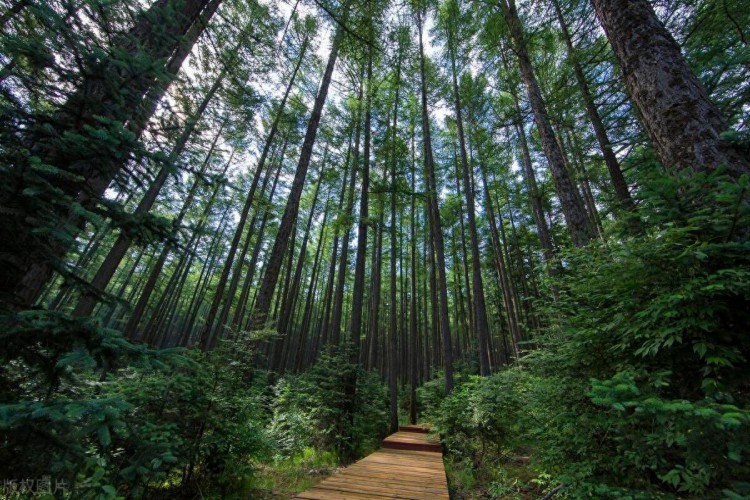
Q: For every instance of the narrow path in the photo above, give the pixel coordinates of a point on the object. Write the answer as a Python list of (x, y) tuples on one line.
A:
[(408, 466)]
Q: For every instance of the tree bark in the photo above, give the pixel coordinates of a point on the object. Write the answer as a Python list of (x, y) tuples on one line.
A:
[(682, 122)]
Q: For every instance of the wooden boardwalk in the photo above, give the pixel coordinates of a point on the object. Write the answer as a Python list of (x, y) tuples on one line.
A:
[(409, 466)]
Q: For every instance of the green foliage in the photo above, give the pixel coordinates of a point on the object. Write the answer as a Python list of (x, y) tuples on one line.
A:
[(110, 417), (640, 391), (334, 406)]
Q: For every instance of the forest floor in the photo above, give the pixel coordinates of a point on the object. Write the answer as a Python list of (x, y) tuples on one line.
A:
[(512, 480), (288, 477)]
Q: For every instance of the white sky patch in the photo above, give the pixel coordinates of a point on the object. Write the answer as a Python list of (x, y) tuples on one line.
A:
[(432, 49)]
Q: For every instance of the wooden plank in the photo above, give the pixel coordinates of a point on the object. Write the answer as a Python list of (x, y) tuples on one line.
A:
[(359, 491), (415, 441), (380, 488), (372, 482), (411, 471)]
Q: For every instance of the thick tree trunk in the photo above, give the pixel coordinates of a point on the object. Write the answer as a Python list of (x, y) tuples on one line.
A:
[(682, 122), (109, 90), (613, 166)]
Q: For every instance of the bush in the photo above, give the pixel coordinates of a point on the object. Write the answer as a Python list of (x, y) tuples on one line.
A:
[(641, 387), (333, 406), (111, 418)]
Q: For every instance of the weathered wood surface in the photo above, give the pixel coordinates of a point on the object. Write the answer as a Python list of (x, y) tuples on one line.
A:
[(409, 466)]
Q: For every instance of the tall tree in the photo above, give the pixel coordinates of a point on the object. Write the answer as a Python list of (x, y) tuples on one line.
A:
[(271, 276), (451, 15), (610, 160), (576, 219), (210, 335), (685, 127), (111, 89), (436, 229)]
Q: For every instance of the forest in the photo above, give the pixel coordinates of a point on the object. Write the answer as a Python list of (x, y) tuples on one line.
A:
[(242, 241)]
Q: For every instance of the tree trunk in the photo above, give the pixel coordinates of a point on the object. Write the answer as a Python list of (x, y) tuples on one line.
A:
[(682, 122), (338, 300), (238, 318), (117, 252), (208, 337), (287, 308), (570, 201), (393, 311), (358, 292), (413, 312), (143, 300), (109, 90), (271, 276), (480, 309), (435, 225), (613, 166)]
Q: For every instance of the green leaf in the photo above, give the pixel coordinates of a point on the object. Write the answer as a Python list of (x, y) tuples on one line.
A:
[(104, 437)]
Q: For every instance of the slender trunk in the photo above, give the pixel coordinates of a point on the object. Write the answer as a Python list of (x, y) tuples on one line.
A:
[(537, 206), (413, 327), (610, 160), (271, 276), (480, 309), (143, 299), (208, 337), (393, 327), (338, 300), (287, 308), (373, 318), (570, 201), (119, 249), (435, 225), (169, 294), (358, 292), (498, 252), (239, 314), (305, 324)]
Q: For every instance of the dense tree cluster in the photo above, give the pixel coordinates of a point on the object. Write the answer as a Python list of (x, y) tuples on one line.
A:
[(235, 231)]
